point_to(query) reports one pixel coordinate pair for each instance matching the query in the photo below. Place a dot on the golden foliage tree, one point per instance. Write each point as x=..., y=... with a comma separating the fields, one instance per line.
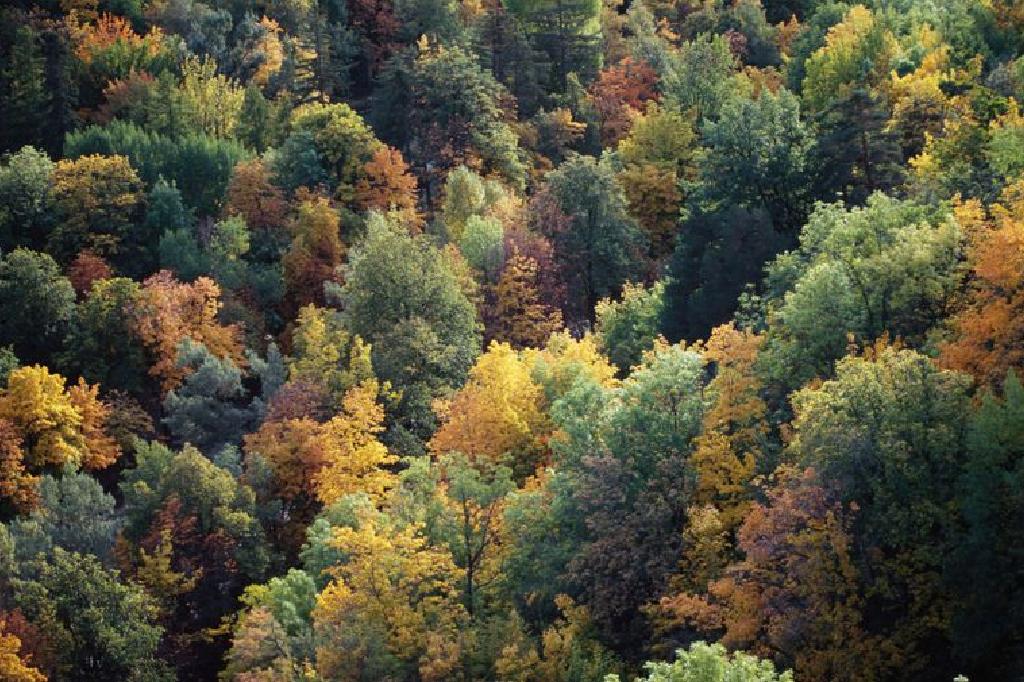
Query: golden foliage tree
x=989, y=330
x=396, y=593
x=498, y=413
x=169, y=311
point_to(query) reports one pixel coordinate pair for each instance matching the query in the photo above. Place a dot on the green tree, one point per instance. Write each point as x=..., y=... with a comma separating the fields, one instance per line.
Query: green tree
x=104, y=629
x=26, y=214
x=756, y=157
x=988, y=616
x=402, y=297
x=887, y=268
x=888, y=432
x=627, y=328
x=470, y=526
x=597, y=250
x=25, y=102
x=856, y=154
x=704, y=662
x=36, y=304
x=98, y=199
x=343, y=141
x=482, y=245
x=700, y=75
x=210, y=409
x=567, y=33
x=74, y=514
x=100, y=344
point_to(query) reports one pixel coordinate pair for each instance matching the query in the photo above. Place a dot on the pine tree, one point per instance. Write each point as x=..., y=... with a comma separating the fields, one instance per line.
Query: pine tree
x=25, y=103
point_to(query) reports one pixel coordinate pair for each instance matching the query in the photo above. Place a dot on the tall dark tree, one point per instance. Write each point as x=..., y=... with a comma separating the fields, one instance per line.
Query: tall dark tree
x=856, y=154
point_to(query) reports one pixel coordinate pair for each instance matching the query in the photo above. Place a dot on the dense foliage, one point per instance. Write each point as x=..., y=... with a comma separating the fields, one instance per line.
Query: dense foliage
x=516, y=340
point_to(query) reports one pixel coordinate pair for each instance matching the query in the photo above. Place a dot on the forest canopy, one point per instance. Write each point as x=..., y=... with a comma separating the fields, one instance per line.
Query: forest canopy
x=511, y=340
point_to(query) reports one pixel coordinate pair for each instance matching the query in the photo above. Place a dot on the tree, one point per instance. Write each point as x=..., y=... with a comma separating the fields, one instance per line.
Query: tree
x=888, y=431
x=100, y=344
x=620, y=93
x=326, y=354
x=106, y=628
x=392, y=609
x=18, y=486
x=169, y=311
x=402, y=297
x=100, y=448
x=211, y=101
x=357, y=461
x=387, y=185
x=342, y=140
x=624, y=489
x=734, y=442
x=85, y=269
x=252, y=195
x=210, y=409
x=14, y=666
x=214, y=537
x=756, y=157
x=310, y=462
x=987, y=329
x=56, y=426
x=497, y=417
x=520, y=316
x=857, y=52
x=657, y=158
x=856, y=153
x=567, y=33
x=26, y=214
x=700, y=75
x=597, y=249
x=26, y=101
x=895, y=260
x=198, y=165
x=628, y=328
x=482, y=245
x=439, y=105
x=712, y=663
x=36, y=304
x=73, y=513
x=99, y=200
x=465, y=195
x=474, y=494
x=990, y=490
x=315, y=253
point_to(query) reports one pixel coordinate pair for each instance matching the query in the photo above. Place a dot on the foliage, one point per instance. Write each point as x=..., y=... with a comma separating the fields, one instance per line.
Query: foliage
x=402, y=297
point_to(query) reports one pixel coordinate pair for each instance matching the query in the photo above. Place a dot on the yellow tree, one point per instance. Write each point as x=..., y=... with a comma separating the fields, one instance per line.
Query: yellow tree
x=356, y=460
x=392, y=610
x=13, y=667
x=564, y=359
x=43, y=425
x=327, y=461
x=36, y=403
x=324, y=353
x=101, y=449
x=838, y=67
x=16, y=484
x=315, y=253
x=734, y=431
x=498, y=413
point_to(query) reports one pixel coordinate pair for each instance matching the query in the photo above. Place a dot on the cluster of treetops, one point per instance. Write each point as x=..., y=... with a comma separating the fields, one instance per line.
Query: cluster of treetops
x=528, y=341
